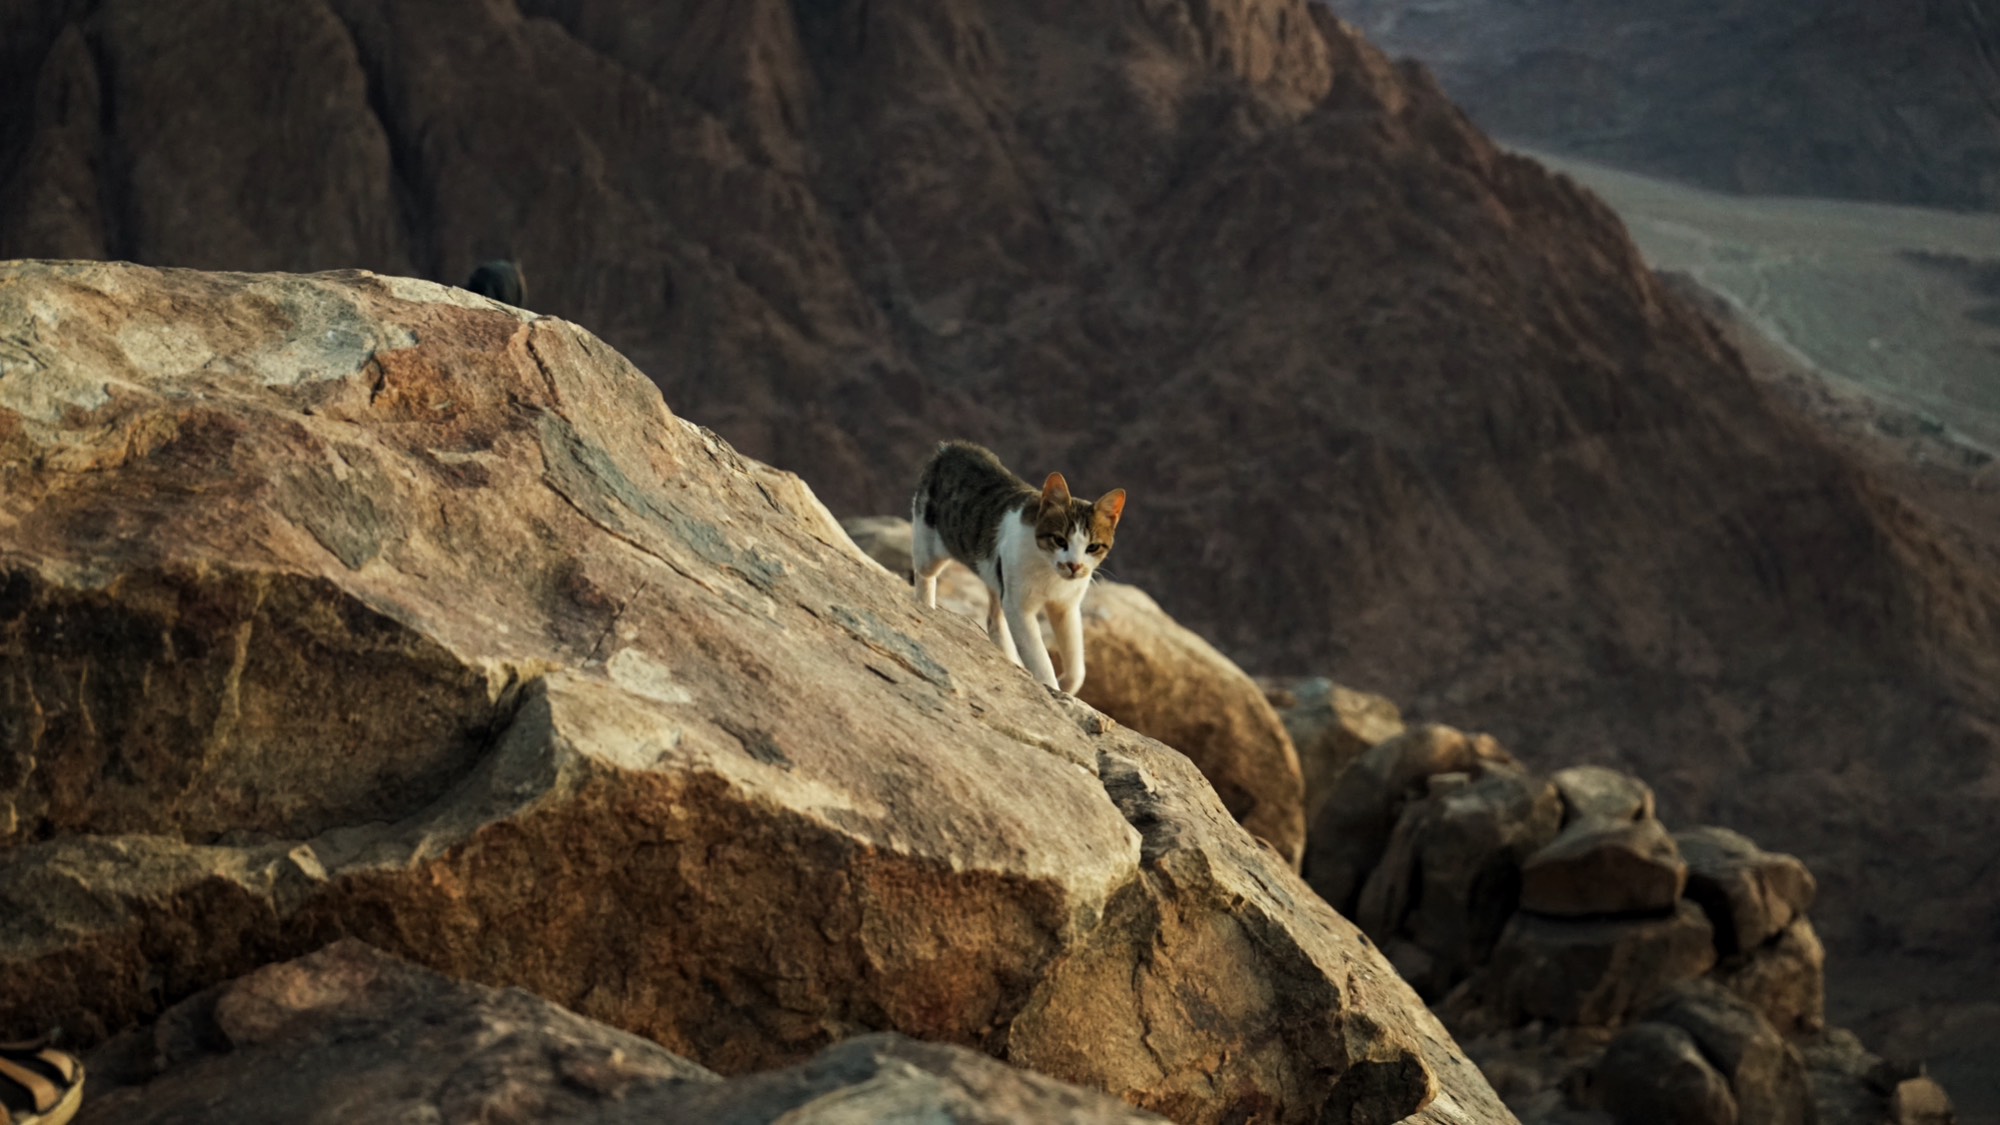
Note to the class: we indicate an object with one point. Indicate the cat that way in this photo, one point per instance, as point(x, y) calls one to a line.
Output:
point(1035, 550)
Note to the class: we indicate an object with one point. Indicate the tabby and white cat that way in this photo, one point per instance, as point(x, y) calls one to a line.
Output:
point(1035, 550)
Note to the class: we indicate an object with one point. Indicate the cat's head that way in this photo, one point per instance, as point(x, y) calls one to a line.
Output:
point(1075, 535)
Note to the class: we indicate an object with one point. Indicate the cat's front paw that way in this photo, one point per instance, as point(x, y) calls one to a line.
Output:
point(1071, 687)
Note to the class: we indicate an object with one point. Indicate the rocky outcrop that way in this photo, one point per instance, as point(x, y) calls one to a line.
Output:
point(1655, 1074)
point(1749, 893)
point(1450, 877)
point(1349, 836)
point(422, 620)
point(1628, 867)
point(1766, 1074)
point(351, 1034)
point(1595, 793)
point(1785, 978)
point(1330, 725)
point(1851, 1086)
point(1151, 674)
point(1595, 971)
point(1586, 966)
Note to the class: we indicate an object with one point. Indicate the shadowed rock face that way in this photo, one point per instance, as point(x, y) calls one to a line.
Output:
point(1897, 102)
point(1654, 1074)
point(655, 740)
point(350, 1033)
point(1385, 399)
point(1331, 726)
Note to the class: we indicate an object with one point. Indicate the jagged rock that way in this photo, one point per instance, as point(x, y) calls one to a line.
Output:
point(1604, 867)
point(350, 1033)
point(1837, 1065)
point(1766, 1074)
point(1600, 793)
point(359, 606)
point(1451, 876)
point(1542, 1070)
point(1330, 726)
point(1785, 979)
point(1588, 971)
point(1347, 838)
point(1749, 893)
point(1162, 680)
point(1653, 1074)
point(1920, 1101)
point(1853, 1086)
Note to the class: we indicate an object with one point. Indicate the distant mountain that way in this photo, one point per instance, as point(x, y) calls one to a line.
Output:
point(1850, 98)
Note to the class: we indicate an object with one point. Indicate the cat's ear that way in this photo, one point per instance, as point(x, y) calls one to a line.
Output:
point(1055, 491)
point(1111, 505)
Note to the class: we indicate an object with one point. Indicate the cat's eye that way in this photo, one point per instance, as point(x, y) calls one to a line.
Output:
point(1059, 543)
point(1097, 548)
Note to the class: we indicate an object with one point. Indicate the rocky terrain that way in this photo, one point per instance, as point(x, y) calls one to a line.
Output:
point(349, 1033)
point(1434, 425)
point(1391, 404)
point(1597, 965)
point(346, 606)
point(1848, 98)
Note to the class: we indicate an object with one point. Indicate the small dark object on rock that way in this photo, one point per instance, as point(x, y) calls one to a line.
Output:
point(500, 279)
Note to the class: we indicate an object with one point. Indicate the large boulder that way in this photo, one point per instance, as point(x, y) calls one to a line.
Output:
point(1349, 835)
point(1750, 894)
point(1655, 1074)
point(1330, 726)
point(352, 1034)
point(348, 605)
point(1785, 978)
point(1853, 1086)
point(1451, 876)
point(1160, 679)
point(1604, 867)
point(1599, 793)
point(1594, 971)
point(1766, 1073)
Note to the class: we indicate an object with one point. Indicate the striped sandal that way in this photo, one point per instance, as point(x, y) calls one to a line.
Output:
point(38, 1086)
